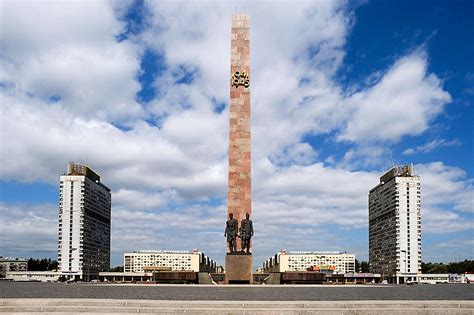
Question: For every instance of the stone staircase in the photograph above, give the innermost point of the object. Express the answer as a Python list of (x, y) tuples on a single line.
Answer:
[(111, 306)]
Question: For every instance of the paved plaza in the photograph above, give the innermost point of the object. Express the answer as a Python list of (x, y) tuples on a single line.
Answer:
[(237, 292)]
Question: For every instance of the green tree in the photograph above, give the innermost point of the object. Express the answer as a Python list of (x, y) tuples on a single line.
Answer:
[(461, 267), (117, 269), (44, 264), (357, 266), (364, 266), (452, 267)]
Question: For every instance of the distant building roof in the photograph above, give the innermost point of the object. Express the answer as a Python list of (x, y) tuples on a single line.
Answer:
[(82, 169), (399, 170)]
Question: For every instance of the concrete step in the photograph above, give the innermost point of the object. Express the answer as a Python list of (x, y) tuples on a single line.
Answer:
[(92, 306)]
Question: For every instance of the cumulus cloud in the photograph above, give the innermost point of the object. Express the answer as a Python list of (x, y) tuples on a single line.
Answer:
[(451, 244), (300, 153), (431, 146), (125, 159), (437, 221), (290, 82), (295, 208), (184, 228), (68, 52), (443, 184), (28, 229), (142, 200), (403, 102)]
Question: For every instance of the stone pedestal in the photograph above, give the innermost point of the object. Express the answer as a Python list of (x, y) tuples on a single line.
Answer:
[(238, 269), (274, 278), (204, 278)]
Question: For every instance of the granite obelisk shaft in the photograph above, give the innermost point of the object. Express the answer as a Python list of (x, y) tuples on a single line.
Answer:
[(239, 198)]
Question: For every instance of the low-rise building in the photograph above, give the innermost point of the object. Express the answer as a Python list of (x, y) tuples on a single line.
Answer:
[(12, 264), (43, 276), (125, 276), (260, 270), (162, 260), (331, 262), (433, 278), (467, 277), (362, 277)]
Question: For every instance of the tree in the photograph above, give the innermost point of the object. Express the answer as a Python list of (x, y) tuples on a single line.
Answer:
[(361, 266), (452, 267), (461, 267), (44, 264), (364, 266), (117, 269)]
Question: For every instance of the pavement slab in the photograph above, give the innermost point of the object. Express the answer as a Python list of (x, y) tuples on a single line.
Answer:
[(237, 292)]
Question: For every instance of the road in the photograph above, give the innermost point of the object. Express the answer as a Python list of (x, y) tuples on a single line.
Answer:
[(237, 293)]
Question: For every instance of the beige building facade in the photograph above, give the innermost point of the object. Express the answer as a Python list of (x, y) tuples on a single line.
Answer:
[(12, 264), (43, 276), (146, 260), (335, 262)]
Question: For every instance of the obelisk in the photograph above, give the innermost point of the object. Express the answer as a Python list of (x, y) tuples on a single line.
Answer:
[(239, 199)]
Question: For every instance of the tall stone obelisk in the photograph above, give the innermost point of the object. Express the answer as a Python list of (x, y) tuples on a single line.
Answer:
[(239, 199)]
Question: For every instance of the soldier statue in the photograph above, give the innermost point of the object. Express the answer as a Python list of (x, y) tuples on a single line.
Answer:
[(246, 233), (231, 227)]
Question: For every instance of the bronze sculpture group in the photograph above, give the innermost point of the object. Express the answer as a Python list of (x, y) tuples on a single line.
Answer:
[(246, 233)]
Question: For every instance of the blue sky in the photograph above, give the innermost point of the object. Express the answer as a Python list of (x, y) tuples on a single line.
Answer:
[(139, 91)]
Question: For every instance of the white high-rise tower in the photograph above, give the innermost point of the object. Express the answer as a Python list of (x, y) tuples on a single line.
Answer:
[(395, 226), (84, 223)]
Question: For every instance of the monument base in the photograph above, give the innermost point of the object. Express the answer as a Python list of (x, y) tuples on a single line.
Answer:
[(238, 269)]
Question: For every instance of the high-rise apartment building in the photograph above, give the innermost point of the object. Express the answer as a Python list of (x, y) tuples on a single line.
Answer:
[(395, 226), (84, 223)]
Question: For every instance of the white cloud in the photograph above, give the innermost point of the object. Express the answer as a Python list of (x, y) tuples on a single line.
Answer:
[(28, 228), (296, 208), (445, 185), (431, 146), (403, 102), (69, 51), (278, 97), (139, 200), (300, 153), (366, 156), (438, 221), (184, 228), (457, 243), (188, 152), (141, 158)]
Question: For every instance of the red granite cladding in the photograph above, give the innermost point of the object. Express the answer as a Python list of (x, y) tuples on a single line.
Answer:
[(239, 184), (238, 269)]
